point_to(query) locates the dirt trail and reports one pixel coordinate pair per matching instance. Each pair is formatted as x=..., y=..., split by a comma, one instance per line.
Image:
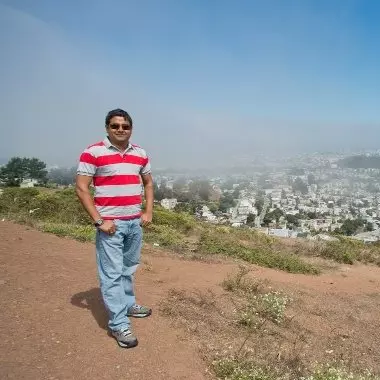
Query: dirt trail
x=53, y=324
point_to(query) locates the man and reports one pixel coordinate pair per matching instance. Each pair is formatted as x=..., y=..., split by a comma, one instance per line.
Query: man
x=116, y=167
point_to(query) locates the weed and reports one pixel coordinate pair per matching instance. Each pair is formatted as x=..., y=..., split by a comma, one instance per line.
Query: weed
x=213, y=242
x=239, y=283
x=233, y=369
x=331, y=372
x=78, y=232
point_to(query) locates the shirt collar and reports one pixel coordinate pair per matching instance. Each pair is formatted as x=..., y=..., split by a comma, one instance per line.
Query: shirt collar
x=109, y=145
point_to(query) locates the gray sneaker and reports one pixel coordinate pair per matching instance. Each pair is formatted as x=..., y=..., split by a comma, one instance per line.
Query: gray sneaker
x=138, y=311
x=125, y=338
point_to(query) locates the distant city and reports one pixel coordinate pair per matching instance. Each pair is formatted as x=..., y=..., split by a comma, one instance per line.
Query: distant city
x=313, y=196
x=316, y=196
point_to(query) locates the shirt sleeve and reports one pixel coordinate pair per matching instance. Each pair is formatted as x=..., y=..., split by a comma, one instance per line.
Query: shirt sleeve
x=87, y=164
x=146, y=168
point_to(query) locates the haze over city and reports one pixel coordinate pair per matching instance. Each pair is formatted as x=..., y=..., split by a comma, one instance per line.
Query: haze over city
x=206, y=83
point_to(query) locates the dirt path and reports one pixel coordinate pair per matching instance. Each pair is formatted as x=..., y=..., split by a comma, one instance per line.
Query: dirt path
x=53, y=324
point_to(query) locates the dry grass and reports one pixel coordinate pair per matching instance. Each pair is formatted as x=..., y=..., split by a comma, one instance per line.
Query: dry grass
x=268, y=347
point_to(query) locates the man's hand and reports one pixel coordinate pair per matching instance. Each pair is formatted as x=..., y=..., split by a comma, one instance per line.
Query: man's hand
x=146, y=218
x=108, y=227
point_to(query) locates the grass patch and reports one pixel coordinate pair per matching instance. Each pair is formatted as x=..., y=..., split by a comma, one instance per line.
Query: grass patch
x=346, y=251
x=180, y=231
x=239, y=283
x=166, y=236
x=268, y=306
x=78, y=232
x=236, y=369
x=233, y=369
x=178, y=221
x=217, y=242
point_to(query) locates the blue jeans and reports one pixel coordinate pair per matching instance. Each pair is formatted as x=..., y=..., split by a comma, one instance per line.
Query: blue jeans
x=118, y=257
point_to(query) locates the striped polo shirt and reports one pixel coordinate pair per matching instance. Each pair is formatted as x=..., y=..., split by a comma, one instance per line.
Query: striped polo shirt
x=116, y=178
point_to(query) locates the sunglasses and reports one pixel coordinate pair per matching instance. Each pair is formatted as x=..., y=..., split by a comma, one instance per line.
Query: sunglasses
x=125, y=127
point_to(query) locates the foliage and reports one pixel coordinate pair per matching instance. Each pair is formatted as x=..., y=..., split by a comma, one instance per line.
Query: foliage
x=299, y=186
x=292, y=219
x=350, y=227
x=243, y=369
x=179, y=221
x=333, y=372
x=361, y=162
x=259, y=204
x=62, y=176
x=18, y=169
x=269, y=306
x=234, y=369
x=165, y=235
x=226, y=201
x=251, y=219
x=273, y=215
x=217, y=241
x=78, y=232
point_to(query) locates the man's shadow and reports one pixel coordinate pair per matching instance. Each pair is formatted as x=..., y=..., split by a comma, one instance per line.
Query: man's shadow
x=92, y=300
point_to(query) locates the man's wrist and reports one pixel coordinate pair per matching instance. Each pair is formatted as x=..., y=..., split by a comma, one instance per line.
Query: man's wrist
x=98, y=222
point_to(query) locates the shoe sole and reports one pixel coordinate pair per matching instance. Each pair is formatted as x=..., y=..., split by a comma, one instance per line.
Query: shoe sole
x=128, y=345
x=140, y=315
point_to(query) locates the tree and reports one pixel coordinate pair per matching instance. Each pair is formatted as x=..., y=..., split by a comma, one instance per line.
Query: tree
x=292, y=219
x=251, y=219
x=199, y=190
x=204, y=190
x=179, y=187
x=299, y=186
x=226, y=202
x=259, y=204
x=311, y=179
x=273, y=215
x=17, y=169
x=349, y=227
x=62, y=176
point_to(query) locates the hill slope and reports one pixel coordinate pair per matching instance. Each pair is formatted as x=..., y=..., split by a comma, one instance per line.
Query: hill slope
x=53, y=321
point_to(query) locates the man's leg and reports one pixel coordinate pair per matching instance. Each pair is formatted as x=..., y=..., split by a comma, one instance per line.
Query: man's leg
x=109, y=253
x=132, y=254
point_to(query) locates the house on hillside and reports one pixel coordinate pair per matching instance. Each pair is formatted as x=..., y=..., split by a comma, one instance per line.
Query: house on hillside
x=169, y=204
x=26, y=183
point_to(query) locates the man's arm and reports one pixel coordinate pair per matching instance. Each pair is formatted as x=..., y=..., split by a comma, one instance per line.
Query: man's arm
x=147, y=216
x=83, y=192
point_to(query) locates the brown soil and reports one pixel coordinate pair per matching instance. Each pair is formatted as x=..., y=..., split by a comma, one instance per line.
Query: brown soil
x=53, y=323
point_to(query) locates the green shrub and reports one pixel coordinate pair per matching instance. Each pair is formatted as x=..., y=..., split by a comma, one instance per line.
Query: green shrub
x=329, y=372
x=214, y=242
x=269, y=306
x=15, y=200
x=179, y=221
x=78, y=232
x=232, y=369
x=165, y=236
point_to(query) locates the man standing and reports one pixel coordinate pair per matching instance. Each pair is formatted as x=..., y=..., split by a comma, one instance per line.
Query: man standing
x=118, y=169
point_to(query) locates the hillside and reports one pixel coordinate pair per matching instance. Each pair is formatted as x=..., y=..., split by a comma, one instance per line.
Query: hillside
x=228, y=304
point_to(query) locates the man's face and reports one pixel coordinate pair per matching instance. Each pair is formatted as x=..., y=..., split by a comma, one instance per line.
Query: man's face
x=119, y=130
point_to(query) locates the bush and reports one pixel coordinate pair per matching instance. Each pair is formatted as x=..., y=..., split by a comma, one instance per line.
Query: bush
x=233, y=369
x=269, y=306
x=214, y=241
x=179, y=221
x=78, y=232
x=165, y=236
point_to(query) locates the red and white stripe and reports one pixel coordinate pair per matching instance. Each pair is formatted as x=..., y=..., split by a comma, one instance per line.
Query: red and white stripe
x=116, y=178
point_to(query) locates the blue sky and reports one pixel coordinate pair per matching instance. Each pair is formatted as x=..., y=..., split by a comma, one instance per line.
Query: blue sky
x=205, y=82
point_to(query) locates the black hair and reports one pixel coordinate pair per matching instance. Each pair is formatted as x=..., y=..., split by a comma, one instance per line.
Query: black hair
x=118, y=112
